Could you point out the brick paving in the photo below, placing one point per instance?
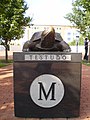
(6, 95)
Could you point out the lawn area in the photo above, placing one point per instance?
(86, 63)
(4, 63)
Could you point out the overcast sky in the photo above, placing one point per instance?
(49, 12)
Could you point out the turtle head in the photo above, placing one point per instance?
(48, 38)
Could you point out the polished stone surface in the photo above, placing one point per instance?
(69, 72)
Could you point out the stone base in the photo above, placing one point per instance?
(26, 71)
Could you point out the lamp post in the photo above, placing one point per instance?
(77, 40)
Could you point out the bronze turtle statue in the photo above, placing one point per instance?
(47, 40)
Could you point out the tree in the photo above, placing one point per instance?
(80, 16)
(80, 42)
(12, 21)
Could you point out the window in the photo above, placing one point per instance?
(69, 39)
(69, 33)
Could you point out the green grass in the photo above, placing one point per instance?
(4, 63)
(85, 62)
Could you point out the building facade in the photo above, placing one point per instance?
(68, 33)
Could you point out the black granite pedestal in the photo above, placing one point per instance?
(47, 84)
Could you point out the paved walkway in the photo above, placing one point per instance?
(6, 95)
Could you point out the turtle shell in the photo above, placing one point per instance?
(37, 36)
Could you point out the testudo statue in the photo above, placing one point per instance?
(46, 40)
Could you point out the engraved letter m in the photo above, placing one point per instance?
(42, 90)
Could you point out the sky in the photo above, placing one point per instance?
(49, 12)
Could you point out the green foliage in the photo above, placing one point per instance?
(4, 63)
(12, 20)
(80, 42)
(73, 43)
(80, 16)
(86, 63)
